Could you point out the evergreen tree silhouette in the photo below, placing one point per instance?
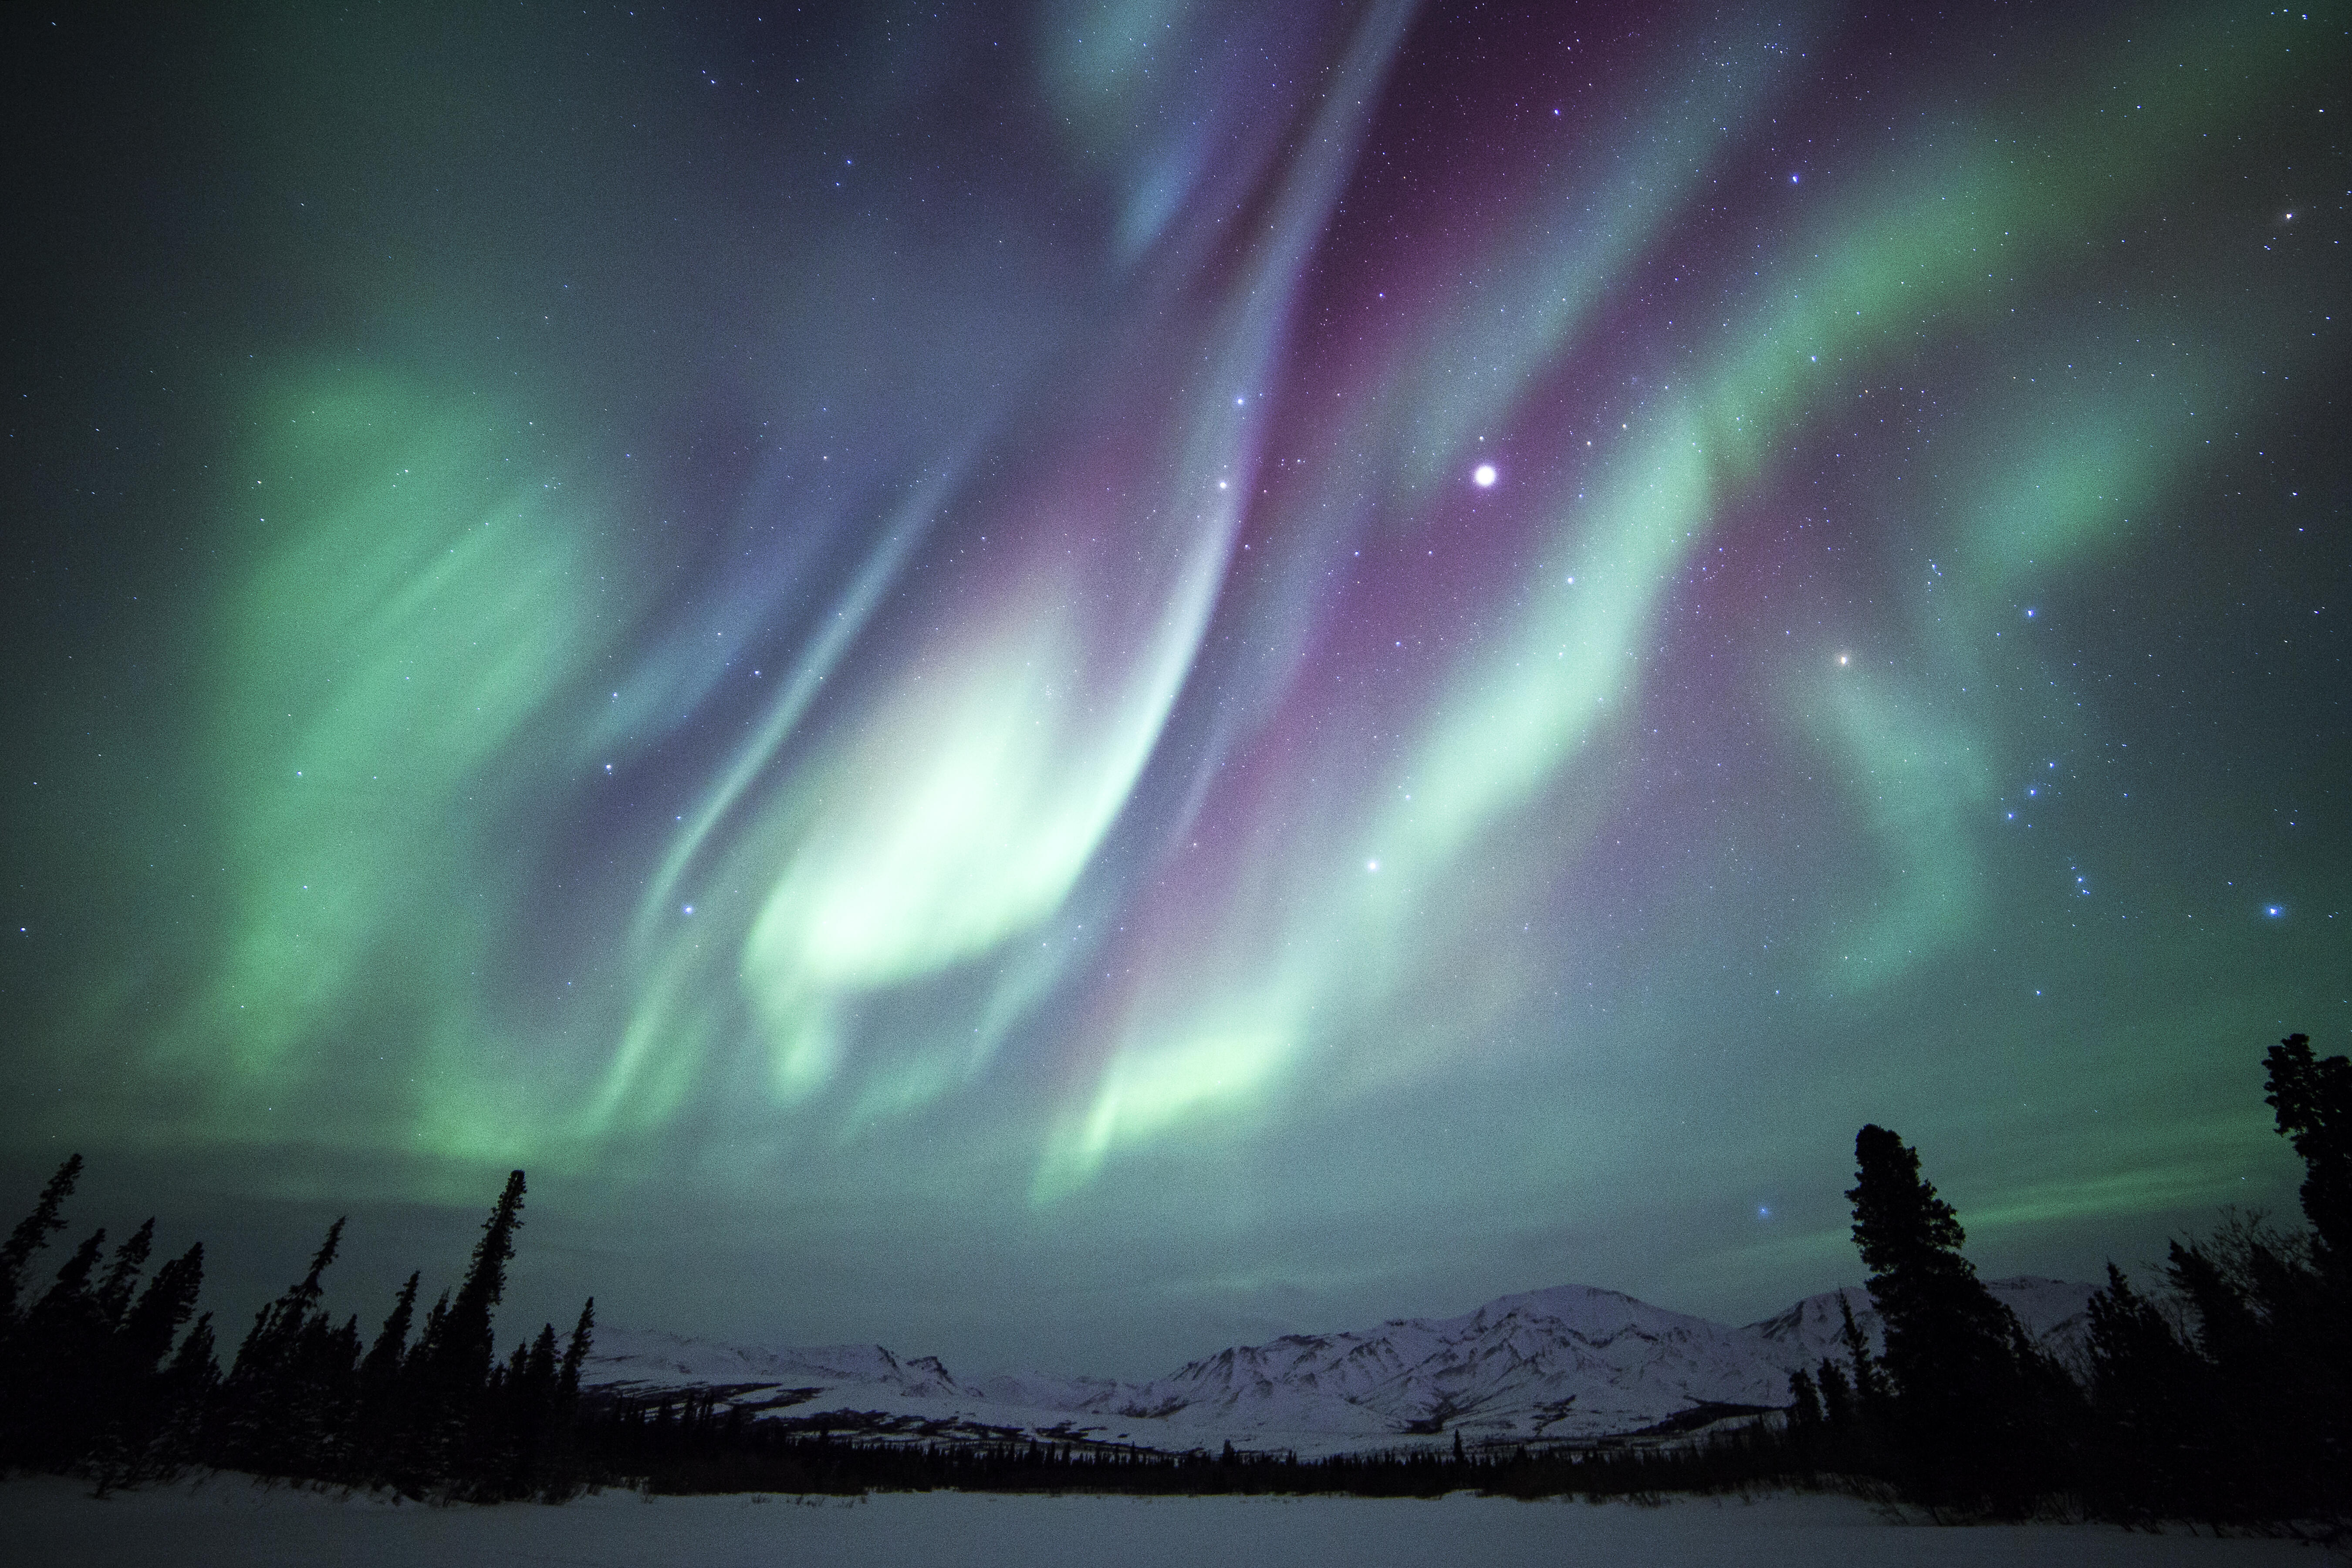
(71, 1294)
(122, 1274)
(2310, 1308)
(2153, 1399)
(1837, 1397)
(2271, 1369)
(129, 1396)
(451, 1439)
(423, 1355)
(2313, 1099)
(148, 1329)
(90, 1375)
(377, 1398)
(575, 1353)
(183, 1398)
(29, 1392)
(2248, 1415)
(1961, 1401)
(279, 1400)
(556, 1470)
(1804, 1403)
(464, 1351)
(32, 1234)
(383, 1357)
(1869, 1382)
(61, 1340)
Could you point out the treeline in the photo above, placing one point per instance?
(2227, 1398)
(690, 1445)
(2224, 1397)
(97, 1375)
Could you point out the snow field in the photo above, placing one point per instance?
(47, 1522)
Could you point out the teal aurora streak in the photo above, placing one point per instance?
(887, 625)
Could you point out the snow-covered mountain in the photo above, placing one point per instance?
(2051, 1310)
(1567, 1362)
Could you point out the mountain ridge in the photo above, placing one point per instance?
(1562, 1362)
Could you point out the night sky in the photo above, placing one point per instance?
(1061, 685)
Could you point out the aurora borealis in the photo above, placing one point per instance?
(1058, 684)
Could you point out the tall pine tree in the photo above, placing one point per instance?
(278, 1403)
(2313, 1099)
(1961, 1401)
(32, 1234)
(452, 1433)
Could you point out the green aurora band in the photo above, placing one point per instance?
(1147, 786)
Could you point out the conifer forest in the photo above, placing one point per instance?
(2219, 1391)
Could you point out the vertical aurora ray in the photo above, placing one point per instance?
(1337, 953)
(417, 602)
(959, 809)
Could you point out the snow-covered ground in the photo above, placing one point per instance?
(1571, 1362)
(50, 1523)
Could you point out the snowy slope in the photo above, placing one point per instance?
(1570, 1361)
(630, 1360)
(2051, 1310)
(854, 1388)
(225, 1522)
(1566, 1362)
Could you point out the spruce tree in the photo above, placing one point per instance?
(23, 1374)
(60, 1349)
(558, 1471)
(383, 1357)
(2311, 1308)
(452, 1421)
(122, 1274)
(184, 1396)
(575, 1353)
(539, 1372)
(465, 1349)
(1804, 1403)
(135, 1398)
(149, 1328)
(1961, 1401)
(279, 1397)
(2152, 1401)
(1837, 1397)
(195, 1364)
(423, 1355)
(377, 1401)
(32, 1234)
(2313, 1099)
(1869, 1383)
(2248, 1416)
(2274, 1314)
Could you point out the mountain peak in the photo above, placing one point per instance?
(1562, 1361)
